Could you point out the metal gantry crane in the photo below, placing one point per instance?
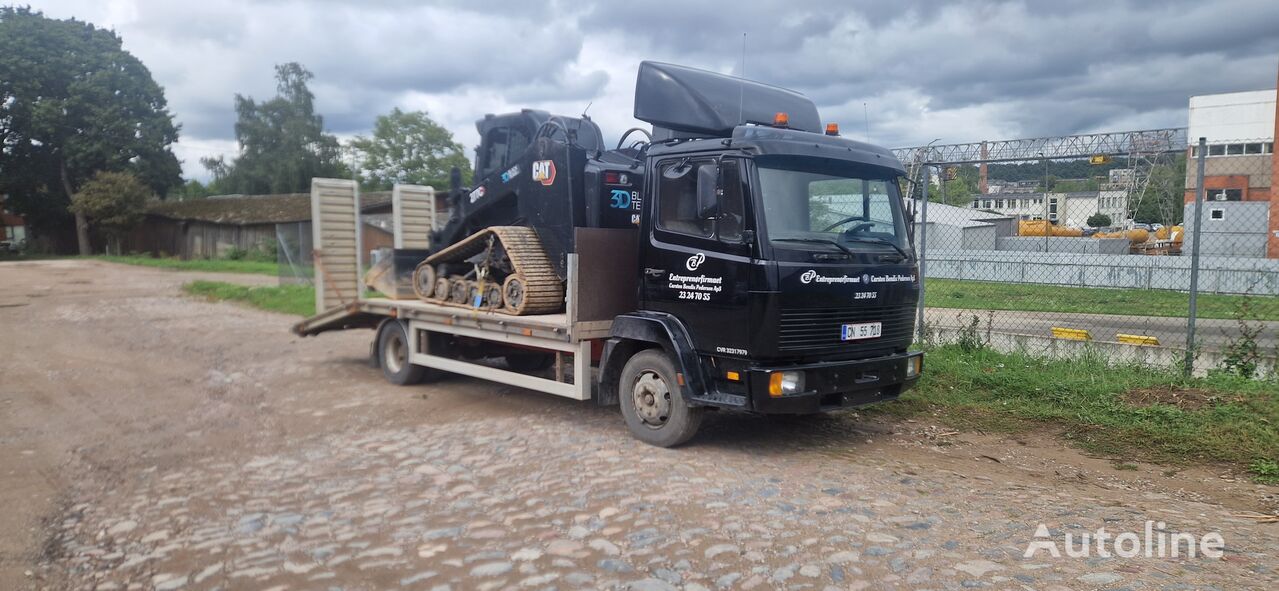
(1143, 149)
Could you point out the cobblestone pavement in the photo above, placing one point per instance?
(543, 502)
(286, 464)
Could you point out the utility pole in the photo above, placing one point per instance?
(1047, 224)
(1194, 258)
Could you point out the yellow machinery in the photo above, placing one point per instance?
(1041, 227)
(1134, 236)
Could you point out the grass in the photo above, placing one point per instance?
(286, 299)
(1234, 421)
(989, 295)
(213, 265)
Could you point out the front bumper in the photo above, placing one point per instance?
(833, 385)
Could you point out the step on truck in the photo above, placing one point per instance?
(740, 256)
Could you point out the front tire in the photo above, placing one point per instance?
(654, 409)
(393, 356)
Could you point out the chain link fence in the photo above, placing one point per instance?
(1117, 255)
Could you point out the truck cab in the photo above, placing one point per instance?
(777, 269)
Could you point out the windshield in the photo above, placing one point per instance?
(855, 207)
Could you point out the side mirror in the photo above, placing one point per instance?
(708, 188)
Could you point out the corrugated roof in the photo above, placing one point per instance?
(253, 209)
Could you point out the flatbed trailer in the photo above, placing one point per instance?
(574, 338)
(570, 341)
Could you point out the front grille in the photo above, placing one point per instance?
(818, 329)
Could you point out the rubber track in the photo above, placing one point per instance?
(543, 290)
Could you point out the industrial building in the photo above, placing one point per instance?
(1070, 209)
(1241, 211)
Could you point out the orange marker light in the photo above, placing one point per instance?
(733, 376)
(781, 120)
(832, 129)
(775, 385)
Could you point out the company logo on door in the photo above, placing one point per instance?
(696, 261)
(812, 275)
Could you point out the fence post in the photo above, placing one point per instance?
(924, 174)
(1194, 257)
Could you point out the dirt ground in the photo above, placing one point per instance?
(149, 440)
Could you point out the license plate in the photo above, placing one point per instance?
(866, 330)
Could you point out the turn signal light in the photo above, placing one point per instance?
(782, 383)
(914, 365)
(832, 129)
(733, 376)
(781, 120)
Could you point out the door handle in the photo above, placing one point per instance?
(654, 272)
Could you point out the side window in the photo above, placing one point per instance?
(495, 156)
(686, 198)
(732, 209)
(519, 142)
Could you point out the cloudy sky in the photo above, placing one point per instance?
(959, 71)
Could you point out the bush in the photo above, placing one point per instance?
(1099, 220)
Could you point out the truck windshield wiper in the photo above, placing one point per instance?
(818, 241)
(874, 240)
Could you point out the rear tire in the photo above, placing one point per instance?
(654, 409)
(393, 356)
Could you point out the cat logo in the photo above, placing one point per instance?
(544, 172)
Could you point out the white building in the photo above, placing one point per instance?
(1232, 117)
(1069, 209)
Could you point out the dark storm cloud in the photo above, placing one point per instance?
(960, 70)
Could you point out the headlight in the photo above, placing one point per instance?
(914, 364)
(781, 383)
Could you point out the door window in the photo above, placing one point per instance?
(688, 203)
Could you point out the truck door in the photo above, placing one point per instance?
(695, 261)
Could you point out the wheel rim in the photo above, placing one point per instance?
(652, 398)
(425, 283)
(493, 296)
(394, 355)
(513, 293)
(442, 288)
(459, 292)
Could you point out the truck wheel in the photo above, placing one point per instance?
(393, 356)
(652, 405)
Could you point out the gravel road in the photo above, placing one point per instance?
(150, 440)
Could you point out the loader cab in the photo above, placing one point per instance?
(505, 138)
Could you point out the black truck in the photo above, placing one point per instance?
(740, 256)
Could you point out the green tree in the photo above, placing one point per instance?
(1165, 196)
(282, 141)
(1098, 220)
(114, 202)
(961, 185)
(408, 147)
(73, 103)
(193, 189)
